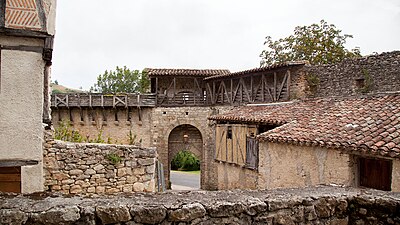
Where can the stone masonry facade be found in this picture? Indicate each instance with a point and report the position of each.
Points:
(85, 168)
(370, 74)
(323, 205)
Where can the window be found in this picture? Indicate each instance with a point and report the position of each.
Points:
(229, 132)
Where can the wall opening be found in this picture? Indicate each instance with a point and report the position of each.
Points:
(375, 173)
(10, 179)
(185, 138)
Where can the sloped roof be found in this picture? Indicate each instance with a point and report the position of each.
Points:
(369, 125)
(186, 72)
(259, 69)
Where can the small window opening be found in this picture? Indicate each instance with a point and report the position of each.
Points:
(70, 116)
(360, 82)
(129, 114)
(164, 112)
(116, 115)
(81, 116)
(229, 133)
(187, 113)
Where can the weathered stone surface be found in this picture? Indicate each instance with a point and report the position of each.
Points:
(188, 212)
(58, 215)
(205, 207)
(224, 209)
(9, 216)
(148, 214)
(85, 168)
(113, 214)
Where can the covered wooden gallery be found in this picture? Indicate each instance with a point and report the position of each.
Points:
(347, 142)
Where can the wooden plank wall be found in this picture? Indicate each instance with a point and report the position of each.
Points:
(231, 141)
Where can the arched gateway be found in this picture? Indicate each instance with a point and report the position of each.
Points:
(185, 137)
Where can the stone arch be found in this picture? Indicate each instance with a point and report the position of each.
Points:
(185, 137)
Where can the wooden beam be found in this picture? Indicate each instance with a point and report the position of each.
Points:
(24, 48)
(215, 94)
(23, 33)
(226, 92)
(231, 91)
(156, 92)
(17, 162)
(210, 94)
(245, 89)
(251, 89)
(282, 85)
(46, 107)
(236, 91)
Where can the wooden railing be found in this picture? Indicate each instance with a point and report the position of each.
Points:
(99, 100)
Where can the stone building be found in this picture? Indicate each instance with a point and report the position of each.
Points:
(347, 142)
(174, 116)
(26, 40)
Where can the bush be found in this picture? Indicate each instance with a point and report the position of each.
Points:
(185, 160)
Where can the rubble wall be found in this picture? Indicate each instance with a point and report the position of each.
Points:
(86, 168)
(324, 205)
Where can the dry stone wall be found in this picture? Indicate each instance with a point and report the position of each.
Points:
(85, 168)
(323, 205)
(371, 74)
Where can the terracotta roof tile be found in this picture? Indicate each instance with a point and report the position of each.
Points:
(185, 72)
(369, 125)
(260, 69)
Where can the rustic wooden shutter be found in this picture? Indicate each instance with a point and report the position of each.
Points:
(252, 153)
(220, 142)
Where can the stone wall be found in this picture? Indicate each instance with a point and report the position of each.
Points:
(83, 168)
(119, 125)
(323, 205)
(370, 74)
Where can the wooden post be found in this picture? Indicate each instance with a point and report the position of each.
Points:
(194, 91)
(251, 89)
(214, 94)
(231, 91)
(46, 94)
(275, 87)
(0, 67)
(156, 91)
(262, 88)
(288, 84)
(174, 90)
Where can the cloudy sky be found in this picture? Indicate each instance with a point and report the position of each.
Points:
(97, 35)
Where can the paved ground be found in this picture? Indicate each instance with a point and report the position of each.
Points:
(185, 181)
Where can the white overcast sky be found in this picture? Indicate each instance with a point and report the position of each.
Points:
(97, 35)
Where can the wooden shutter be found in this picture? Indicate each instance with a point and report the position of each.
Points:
(252, 153)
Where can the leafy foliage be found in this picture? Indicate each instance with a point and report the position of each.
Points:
(185, 160)
(121, 80)
(114, 158)
(319, 43)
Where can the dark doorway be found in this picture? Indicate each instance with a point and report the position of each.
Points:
(375, 173)
(10, 179)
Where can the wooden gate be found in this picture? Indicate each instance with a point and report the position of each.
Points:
(10, 179)
(375, 173)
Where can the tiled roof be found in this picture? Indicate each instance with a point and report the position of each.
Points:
(185, 72)
(260, 69)
(369, 125)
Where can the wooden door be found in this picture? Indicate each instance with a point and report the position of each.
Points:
(10, 179)
(375, 173)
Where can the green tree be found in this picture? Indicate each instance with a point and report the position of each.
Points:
(121, 80)
(319, 43)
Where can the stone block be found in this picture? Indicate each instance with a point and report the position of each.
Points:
(148, 214)
(90, 172)
(113, 214)
(100, 189)
(75, 172)
(138, 187)
(187, 213)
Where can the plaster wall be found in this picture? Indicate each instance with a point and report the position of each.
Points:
(231, 176)
(22, 75)
(290, 166)
(396, 176)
